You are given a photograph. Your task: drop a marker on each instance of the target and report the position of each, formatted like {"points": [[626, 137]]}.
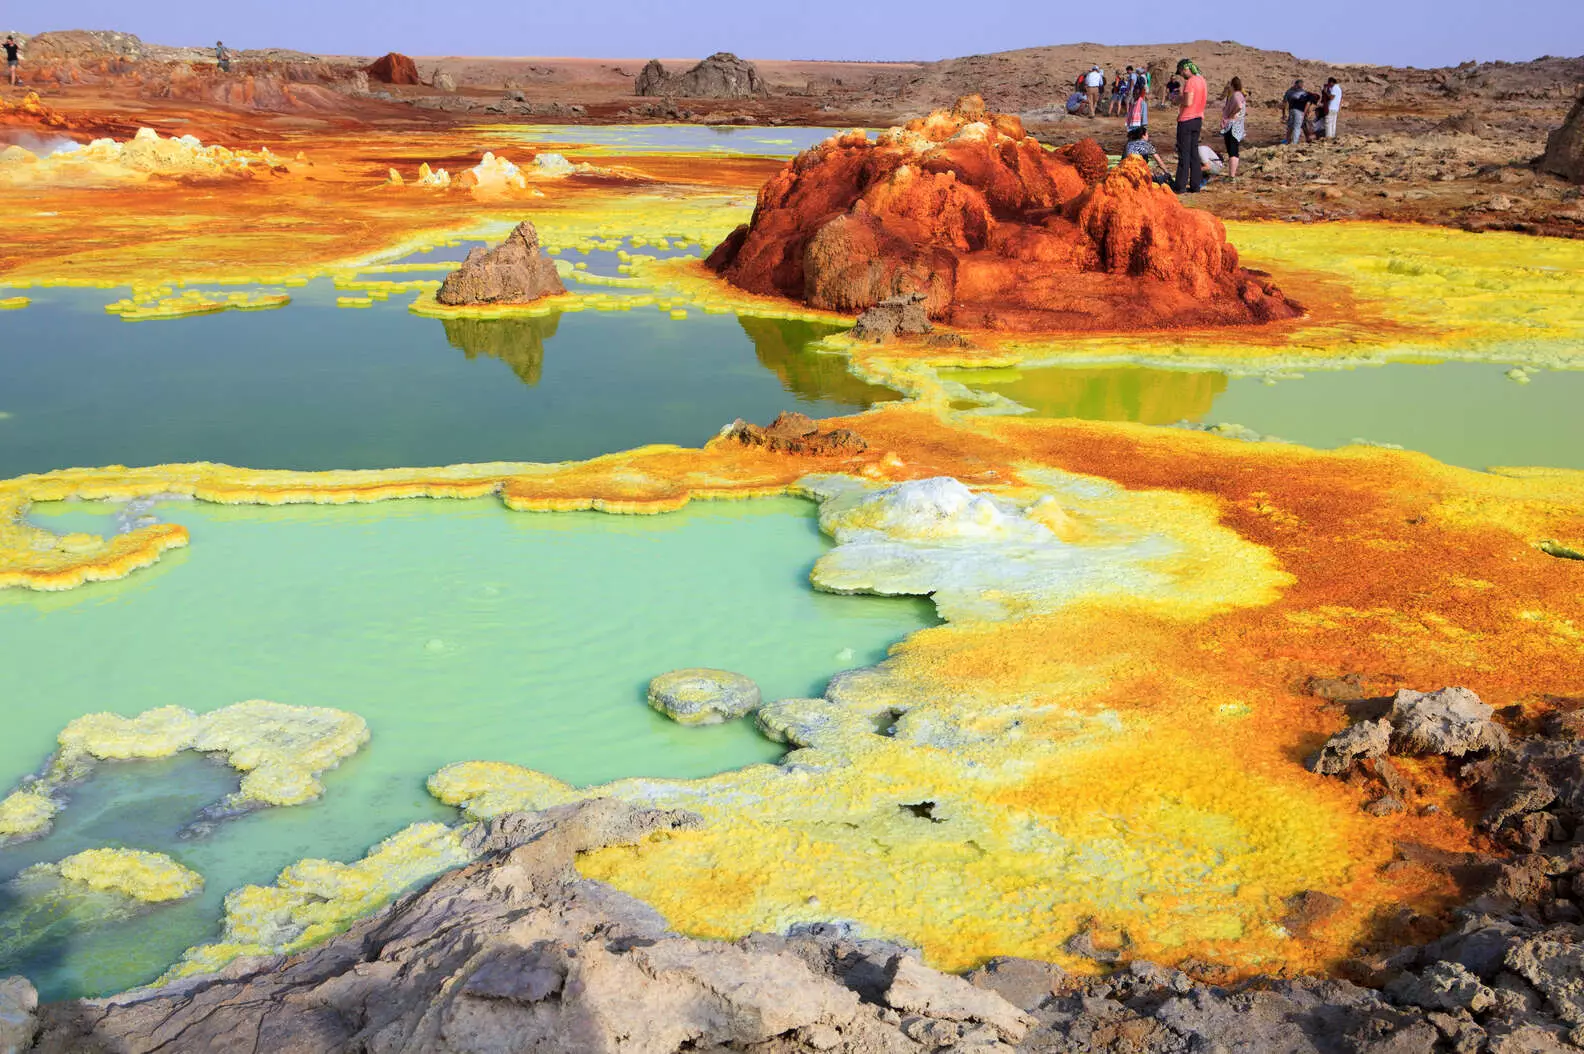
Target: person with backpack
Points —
{"points": [[1121, 91], [222, 57], [1190, 123]]}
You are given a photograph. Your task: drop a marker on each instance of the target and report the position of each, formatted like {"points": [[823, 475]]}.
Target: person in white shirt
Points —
{"points": [[1333, 92], [1210, 161], [1094, 80]]}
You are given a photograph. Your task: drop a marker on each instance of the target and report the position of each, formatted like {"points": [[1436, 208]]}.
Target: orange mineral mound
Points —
{"points": [[995, 230]]}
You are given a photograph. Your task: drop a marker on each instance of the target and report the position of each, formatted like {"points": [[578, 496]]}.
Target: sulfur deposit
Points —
{"points": [[314, 899], [145, 156], [151, 877], [994, 231], [281, 751]]}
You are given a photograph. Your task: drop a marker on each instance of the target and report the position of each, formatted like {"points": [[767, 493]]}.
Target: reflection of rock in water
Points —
{"points": [[1124, 393], [518, 342], [781, 346]]}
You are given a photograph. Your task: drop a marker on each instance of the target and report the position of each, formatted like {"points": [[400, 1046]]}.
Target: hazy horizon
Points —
{"points": [[1412, 33]]}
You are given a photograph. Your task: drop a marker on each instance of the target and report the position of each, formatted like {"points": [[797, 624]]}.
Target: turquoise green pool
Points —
{"points": [[597, 140], [1469, 414], [313, 386], [458, 630]]}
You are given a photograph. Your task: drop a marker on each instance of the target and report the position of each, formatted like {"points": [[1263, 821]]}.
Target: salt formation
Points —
{"points": [[280, 749], [146, 155], [703, 697], [983, 557]]}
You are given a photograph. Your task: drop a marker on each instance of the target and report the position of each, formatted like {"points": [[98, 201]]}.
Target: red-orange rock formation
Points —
{"points": [[393, 68], [30, 112], [995, 231]]}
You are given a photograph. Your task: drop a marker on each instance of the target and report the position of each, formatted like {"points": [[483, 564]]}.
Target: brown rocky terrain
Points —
{"points": [[1455, 145]]}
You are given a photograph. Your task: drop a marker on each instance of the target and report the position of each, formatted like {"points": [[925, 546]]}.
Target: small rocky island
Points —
{"points": [[517, 271]]}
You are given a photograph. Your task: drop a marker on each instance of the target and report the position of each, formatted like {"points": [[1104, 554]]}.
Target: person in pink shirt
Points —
{"points": [[1190, 123]]}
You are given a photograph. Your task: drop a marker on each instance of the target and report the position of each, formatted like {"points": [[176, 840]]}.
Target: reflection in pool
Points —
{"points": [[615, 140], [311, 386], [1468, 414], [458, 630]]}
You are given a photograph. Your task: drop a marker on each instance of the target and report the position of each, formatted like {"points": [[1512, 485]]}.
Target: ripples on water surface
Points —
{"points": [[458, 630]]}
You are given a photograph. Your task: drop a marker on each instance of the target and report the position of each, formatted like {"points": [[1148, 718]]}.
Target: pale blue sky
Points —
{"points": [[1397, 32]]}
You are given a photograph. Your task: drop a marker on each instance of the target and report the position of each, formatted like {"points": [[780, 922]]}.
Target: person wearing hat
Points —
{"points": [[1094, 80], [1190, 123]]}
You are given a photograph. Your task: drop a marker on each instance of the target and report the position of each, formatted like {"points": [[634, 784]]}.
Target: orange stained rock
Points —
{"points": [[995, 231]]}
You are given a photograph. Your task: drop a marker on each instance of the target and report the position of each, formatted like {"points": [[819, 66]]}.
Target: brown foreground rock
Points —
{"points": [[1564, 154], [514, 272], [517, 952], [795, 433]]}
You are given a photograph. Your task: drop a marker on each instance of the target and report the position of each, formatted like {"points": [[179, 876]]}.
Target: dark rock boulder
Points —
{"points": [[1564, 154], [795, 433], [515, 272], [894, 316], [721, 76], [393, 68]]}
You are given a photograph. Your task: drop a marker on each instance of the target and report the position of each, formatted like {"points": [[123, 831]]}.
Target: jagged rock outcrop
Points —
{"points": [[894, 316], [993, 230], [519, 953], [721, 76], [1564, 154], [514, 272], [795, 433], [393, 68]]}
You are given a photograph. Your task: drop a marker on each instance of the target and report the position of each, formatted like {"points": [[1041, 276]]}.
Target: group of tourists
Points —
{"points": [[1129, 92], [1309, 114]]}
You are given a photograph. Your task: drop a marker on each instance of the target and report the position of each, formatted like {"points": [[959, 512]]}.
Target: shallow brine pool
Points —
{"points": [[458, 630], [1470, 414], [314, 386]]}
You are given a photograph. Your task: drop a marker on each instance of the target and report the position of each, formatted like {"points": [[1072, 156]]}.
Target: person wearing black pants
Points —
{"points": [[1190, 169], [1190, 122]]}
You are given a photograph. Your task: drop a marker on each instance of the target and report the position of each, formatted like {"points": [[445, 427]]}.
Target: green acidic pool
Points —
{"points": [[592, 141], [458, 630], [313, 386], [1469, 414]]}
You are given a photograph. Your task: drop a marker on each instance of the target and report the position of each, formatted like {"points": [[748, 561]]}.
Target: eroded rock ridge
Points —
{"points": [[993, 230]]}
